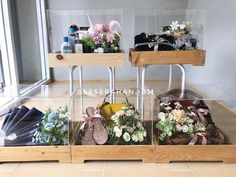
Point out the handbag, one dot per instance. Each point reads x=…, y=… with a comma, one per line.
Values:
x=107, y=109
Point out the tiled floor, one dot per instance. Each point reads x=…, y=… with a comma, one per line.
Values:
x=117, y=169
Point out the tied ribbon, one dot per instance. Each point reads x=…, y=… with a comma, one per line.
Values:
x=91, y=114
x=201, y=113
x=195, y=138
x=4, y=137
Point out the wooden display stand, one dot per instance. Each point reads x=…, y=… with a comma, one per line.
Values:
x=81, y=153
x=57, y=60
x=175, y=153
x=35, y=153
x=224, y=118
x=142, y=58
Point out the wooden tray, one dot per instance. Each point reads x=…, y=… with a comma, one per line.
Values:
x=142, y=58
x=35, y=153
x=86, y=59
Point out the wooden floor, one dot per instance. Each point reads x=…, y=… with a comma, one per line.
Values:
x=125, y=169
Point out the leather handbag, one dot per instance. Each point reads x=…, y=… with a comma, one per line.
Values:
x=107, y=109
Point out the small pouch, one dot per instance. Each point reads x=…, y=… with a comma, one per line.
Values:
x=107, y=109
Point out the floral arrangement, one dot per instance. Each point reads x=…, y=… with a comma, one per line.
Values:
x=53, y=128
x=178, y=30
x=176, y=120
x=105, y=37
x=127, y=128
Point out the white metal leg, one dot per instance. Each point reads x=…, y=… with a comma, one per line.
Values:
x=71, y=76
x=170, y=77
x=111, y=83
x=81, y=84
x=183, y=79
x=142, y=90
x=138, y=89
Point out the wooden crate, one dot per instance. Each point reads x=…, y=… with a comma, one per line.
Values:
x=142, y=58
x=172, y=153
x=81, y=153
x=86, y=59
x=35, y=153
x=225, y=120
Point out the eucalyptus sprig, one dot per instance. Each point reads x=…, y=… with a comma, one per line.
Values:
x=53, y=128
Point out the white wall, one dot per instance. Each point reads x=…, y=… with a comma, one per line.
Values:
x=128, y=7
x=219, y=41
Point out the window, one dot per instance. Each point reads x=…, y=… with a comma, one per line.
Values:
x=23, y=45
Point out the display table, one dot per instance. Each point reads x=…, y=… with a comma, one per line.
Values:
x=142, y=59
x=73, y=60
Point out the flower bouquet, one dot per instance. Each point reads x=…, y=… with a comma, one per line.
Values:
x=103, y=38
x=54, y=128
x=184, y=39
x=187, y=122
x=127, y=128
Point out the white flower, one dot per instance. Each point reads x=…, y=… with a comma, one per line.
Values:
x=168, y=108
x=177, y=104
x=145, y=133
x=190, y=127
x=182, y=26
x=140, y=137
x=140, y=125
x=114, y=117
x=167, y=32
x=129, y=113
x=185, y=128
x=178, y=127
x=135, y=138
x=130, y=129
x=190, y=121
x=200, y=127
x=120, y=113
x=174, y=25
x=118, y=131
x=126, y=137
x=125, y=107
x=162, y=116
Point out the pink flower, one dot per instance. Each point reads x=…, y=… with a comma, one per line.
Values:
x=98, y=27
x=105, y=28
x=110, y=37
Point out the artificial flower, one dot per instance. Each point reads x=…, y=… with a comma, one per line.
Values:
x=174, y=25
x=185, y=128
x=162, y=116
x=126, y=137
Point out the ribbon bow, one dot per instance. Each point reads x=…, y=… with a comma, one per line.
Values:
x=91, y=114
x=201, y=113
x=195, y=138
x=4, y=137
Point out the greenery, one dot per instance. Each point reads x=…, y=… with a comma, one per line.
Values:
x=175, y=118
x=54, y=128
x=88, y=44
x=127, y=128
